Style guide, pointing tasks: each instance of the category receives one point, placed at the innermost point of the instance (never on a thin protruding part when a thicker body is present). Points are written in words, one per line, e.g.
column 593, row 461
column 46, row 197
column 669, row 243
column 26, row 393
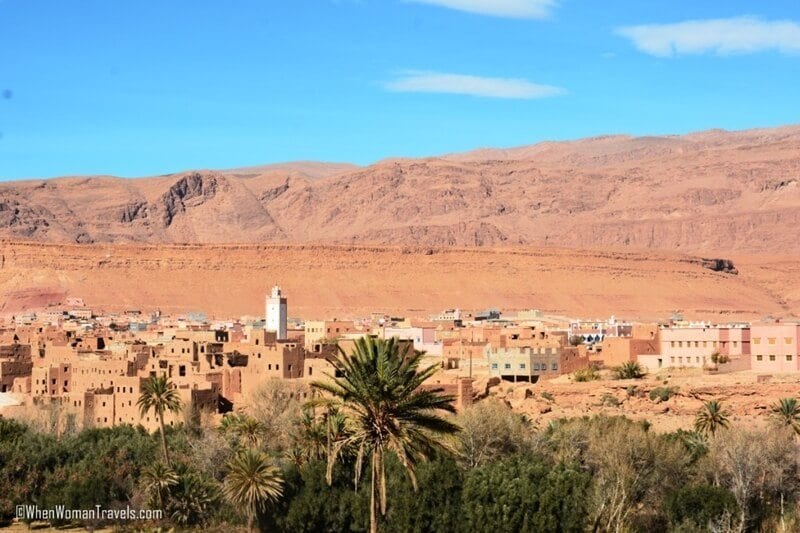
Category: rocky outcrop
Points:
column 195, row 188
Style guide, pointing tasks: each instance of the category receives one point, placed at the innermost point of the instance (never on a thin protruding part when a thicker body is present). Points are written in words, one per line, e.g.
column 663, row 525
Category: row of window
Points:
column 537, row 367
column 760, row 357
column 773, row 340
column 705, row 344
column 688, row 359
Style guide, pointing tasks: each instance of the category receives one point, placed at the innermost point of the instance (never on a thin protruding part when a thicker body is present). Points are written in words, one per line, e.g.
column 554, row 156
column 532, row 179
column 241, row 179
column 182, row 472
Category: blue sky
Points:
column 151, row 87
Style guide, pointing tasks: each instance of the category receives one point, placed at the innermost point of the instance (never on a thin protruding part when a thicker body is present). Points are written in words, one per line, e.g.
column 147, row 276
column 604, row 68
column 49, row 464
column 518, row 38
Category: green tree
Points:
column 157, row 480
column 313, row 505
column 700, row 505
column 159, row 395
column 434, row 507
column 786, row 412
column 711, row 418
column 380, row 393
column 192, row 499
column 523, row 494
column 246, row 430
column 251, row 483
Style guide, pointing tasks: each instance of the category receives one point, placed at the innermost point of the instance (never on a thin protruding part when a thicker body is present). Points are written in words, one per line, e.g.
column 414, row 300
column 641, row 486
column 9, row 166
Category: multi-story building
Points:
column 774, row 347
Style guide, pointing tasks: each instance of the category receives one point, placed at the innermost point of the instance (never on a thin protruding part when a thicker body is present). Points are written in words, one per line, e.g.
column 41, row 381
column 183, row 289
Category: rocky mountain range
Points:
column 712, row 192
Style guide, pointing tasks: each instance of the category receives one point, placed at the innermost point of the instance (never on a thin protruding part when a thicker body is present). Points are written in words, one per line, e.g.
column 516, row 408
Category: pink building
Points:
column 775, row 347
column 694, row 346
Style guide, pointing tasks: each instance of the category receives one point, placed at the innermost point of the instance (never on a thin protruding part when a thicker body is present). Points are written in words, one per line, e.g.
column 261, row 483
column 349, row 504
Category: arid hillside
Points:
column 354, row 280
column 707, row 193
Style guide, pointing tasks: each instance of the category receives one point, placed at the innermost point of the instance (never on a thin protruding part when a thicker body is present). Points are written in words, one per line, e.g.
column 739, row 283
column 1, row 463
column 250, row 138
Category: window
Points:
column 182, row 370
column 771, row 357
column 771, row 340
column 787, row 340
column 507, row 366
column 696, row 344
column 277, row 367
column 554, row 367
column 522, row 366
column 705, row 343
column 494, row 366
column 788, row 357
column 680, row 344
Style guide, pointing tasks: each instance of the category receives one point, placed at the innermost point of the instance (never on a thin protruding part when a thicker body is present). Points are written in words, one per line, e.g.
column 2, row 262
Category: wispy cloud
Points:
column 718, row 36
column 529, row 9
column 445, row 83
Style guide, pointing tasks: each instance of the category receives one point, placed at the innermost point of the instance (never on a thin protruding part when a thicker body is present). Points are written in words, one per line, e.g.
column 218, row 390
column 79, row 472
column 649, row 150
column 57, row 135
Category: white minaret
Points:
column 276, row 313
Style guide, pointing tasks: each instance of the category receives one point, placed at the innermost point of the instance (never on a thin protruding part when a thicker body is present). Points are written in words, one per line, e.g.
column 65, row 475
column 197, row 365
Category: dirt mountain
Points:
column 712, row 192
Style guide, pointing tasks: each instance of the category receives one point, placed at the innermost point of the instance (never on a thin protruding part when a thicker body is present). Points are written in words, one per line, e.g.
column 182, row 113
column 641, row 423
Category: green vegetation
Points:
column 711, row 418
column 609, row 400
column 662, row 393
column 787, row 413
column 547, row 396
column 289, row 465
column 160, row 396
column 589, row 373
column 696, row 506
column 380, row 393
column 629, row 370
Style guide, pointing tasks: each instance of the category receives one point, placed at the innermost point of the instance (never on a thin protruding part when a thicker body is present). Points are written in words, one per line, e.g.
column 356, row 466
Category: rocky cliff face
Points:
column 707, row 193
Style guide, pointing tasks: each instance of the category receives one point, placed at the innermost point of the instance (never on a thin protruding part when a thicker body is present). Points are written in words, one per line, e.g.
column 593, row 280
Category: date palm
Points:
column 160, row 396
column 247, row 430
column 158, row 479
column 379, row 392
column 711, row 418
column 252, row 482
column 786, row 412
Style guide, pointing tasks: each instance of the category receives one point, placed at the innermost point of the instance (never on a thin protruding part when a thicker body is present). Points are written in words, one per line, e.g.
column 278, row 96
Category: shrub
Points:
column 700, row 505
column 610, row 400
column 523, row 493
column 629, row 370
column 547, row 396
column 586, row 374
column 576, row 340
column 630, row 390
column 663, row 393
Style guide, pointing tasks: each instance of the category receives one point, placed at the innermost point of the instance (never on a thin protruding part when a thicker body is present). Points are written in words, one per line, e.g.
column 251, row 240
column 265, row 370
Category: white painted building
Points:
column 276, row 313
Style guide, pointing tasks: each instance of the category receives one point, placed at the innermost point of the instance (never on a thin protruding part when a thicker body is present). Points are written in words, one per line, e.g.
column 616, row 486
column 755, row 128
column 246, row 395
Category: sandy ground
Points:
column 747, row 401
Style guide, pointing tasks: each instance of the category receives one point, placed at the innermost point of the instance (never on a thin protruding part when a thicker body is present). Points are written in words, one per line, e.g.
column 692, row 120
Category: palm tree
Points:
column 312, row 436
column 787, row 413
column 192, row 498
column 159, row 395
column 252, row 481
column 380, row 393
column 711, row 417
column 248, row 431
column 629, row 370
column 158, row 478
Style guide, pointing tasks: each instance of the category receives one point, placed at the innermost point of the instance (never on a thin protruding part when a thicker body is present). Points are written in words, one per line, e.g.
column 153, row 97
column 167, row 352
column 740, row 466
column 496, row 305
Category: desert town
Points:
column 94, row 364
